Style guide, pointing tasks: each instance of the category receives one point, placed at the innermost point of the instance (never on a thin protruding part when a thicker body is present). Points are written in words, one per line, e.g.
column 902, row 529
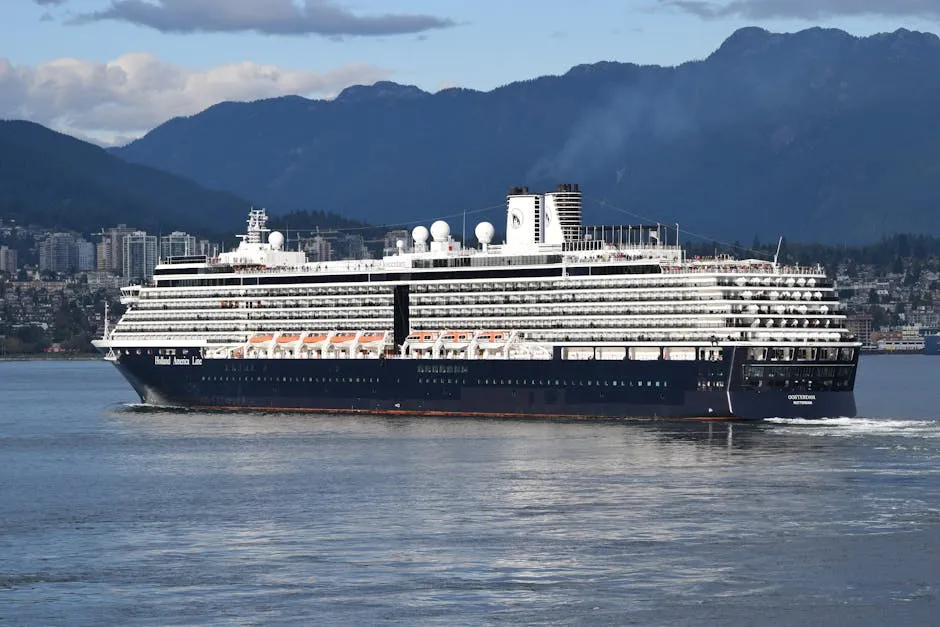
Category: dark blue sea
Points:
column 116, row 514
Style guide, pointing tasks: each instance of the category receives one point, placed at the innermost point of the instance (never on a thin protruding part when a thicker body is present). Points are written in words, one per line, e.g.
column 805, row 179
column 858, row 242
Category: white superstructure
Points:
column 552, row 283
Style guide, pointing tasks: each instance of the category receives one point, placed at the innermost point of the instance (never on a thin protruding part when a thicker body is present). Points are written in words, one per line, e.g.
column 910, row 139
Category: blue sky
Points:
column 112, row 69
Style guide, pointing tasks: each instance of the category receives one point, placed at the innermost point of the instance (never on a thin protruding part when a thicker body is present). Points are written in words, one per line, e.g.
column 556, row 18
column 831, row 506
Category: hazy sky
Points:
column 113, row 69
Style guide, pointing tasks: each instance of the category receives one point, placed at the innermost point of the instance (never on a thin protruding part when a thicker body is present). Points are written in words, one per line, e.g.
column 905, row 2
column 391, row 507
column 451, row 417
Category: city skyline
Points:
column 110, row 70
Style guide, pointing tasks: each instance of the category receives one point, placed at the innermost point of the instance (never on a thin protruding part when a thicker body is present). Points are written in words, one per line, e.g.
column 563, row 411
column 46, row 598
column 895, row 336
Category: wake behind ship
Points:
column 561, row 320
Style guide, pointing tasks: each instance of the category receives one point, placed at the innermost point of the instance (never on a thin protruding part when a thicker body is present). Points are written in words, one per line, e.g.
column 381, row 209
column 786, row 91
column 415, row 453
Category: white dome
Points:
column 484, row 232
column 440, row 231
column 276, row 240
column 420, row 234
column 399, row 244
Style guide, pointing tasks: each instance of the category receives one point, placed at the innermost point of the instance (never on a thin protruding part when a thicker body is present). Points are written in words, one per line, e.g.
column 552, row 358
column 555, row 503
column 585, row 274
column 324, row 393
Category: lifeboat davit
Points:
column 422, row 339
column 490, row 339
column 456, row 339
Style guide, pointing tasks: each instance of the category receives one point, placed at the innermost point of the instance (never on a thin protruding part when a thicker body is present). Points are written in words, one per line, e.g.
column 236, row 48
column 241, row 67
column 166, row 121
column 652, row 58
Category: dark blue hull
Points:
column 932, row 344
column 536, row 388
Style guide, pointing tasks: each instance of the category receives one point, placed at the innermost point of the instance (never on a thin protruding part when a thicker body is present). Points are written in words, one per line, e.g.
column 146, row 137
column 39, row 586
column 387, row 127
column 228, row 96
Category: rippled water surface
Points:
column 113, row 513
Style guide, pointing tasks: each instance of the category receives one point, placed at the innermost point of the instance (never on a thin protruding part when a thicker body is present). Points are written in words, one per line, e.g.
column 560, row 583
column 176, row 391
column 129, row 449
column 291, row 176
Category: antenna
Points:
column 106, row 319
column 777, row 254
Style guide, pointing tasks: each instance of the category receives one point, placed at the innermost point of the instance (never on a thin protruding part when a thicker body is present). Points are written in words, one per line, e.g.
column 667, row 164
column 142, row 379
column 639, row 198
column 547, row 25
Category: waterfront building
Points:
column 861, row 327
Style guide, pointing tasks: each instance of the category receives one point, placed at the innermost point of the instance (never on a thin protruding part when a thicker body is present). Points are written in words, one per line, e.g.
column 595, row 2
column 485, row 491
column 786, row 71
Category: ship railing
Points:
column 717, row 266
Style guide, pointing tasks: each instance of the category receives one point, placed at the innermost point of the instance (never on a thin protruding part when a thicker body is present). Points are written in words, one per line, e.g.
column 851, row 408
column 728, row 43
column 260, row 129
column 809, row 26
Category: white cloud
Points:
column 130, row 95
column 279, row 17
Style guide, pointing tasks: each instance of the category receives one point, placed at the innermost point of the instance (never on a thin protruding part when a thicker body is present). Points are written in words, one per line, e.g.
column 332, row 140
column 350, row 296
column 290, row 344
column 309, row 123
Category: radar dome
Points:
column 399, row 244
column 420, row 234
column 440, row 231
column 484, row 232
column 276, row 240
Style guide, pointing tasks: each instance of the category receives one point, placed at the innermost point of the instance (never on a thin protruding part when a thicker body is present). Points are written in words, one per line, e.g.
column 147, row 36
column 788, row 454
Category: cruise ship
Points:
column 561, row 320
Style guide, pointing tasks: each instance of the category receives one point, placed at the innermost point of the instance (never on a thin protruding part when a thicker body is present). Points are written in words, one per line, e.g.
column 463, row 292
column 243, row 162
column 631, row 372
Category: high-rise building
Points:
column 104, row 255
column 139, row 256
column 7, row 260
column 207, row 248
column 393, row 237
column 58, row 253
column 177, row 244
column 85, row 256
column 352, row 246
column 115, row 236
column 318, row 249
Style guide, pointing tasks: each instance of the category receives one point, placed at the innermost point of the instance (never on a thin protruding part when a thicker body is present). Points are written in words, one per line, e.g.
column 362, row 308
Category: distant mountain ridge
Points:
column 56, row 181
column 812, row 135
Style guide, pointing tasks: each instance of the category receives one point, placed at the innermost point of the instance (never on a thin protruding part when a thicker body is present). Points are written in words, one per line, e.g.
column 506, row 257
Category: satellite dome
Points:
column 276, row 240
column 440, row 231
column 484, row 232
column 399, row 244
column 420, row 234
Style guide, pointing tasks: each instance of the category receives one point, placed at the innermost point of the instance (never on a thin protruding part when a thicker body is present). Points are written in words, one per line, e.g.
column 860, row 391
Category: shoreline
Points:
column 53, row 357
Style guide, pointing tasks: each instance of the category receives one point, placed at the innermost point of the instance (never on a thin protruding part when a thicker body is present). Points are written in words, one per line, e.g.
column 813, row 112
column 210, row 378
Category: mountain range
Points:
column 57, row 181
column 815, row 135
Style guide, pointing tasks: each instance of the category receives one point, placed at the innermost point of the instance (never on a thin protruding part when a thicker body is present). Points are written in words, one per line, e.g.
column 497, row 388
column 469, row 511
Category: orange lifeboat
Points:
column 315, row 339
column 286, row 339
column 341, row 338
column 371, row 337
column 259, row 339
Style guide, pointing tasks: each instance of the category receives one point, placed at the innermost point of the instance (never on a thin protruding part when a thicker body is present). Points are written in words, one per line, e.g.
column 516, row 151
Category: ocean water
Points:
column 117, row 514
